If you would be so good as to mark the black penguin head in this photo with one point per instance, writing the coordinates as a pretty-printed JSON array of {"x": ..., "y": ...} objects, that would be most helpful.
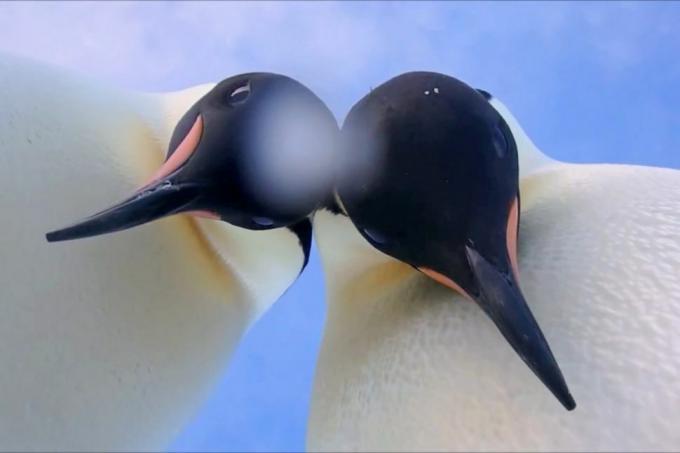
[
  {"x": 445, "y": 173},
  {"x": 429, "y": 175},
  {"x": 256, "y": 151}
]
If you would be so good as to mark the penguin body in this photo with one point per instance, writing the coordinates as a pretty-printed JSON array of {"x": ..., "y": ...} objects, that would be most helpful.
[
  {"x": 112, "y": 344},
  {"x": 408, "y": 365}
]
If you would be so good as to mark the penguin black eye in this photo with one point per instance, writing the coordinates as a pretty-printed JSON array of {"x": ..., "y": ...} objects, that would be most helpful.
[
  {"x": 263, "y": 221},
  {"x": 240, "y": 94},
  {"x": 500, "y": 143},
  {"x": 375, "y": 236}
]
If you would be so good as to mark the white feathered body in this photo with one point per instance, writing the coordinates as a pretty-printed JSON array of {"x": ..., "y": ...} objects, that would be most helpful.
[{"x": 111, "y": 343}]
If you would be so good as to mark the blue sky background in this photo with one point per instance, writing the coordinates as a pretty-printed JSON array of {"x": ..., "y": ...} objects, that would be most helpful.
[{"x": 590, "y": 82}]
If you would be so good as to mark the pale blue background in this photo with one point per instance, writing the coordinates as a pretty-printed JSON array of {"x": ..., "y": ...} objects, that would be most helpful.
[{"x": 590, "y": 82}]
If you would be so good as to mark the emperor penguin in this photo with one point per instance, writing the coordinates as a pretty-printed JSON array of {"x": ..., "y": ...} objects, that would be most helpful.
[
  {"x": 112, "y": 344},
  {"x": 443, "y": 199}
]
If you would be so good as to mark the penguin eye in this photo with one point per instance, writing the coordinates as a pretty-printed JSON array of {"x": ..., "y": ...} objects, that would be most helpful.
[
  {"x": 500, "y": 143},
  {"x": 375, "y": 236},
  {"x": 240, "y": 94},
  {"x": 263, "y": 221}
]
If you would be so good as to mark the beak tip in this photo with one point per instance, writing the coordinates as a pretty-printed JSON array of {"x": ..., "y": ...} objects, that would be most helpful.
[
  {"x": 558, "y": 387},
  {"x": 63, "y": 234},
  {"x": 551, "y": 376},
  {"x": 568, "y": 401},
  {"x": 52, "y": 236}
]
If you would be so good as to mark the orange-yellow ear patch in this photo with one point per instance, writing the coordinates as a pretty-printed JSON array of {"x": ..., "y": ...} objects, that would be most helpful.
[
  {"x": 204, "y": 214},
  {"x": 185, "y": 149},
  {"x": 511, "y": 236},
  {"x": 511, "y": 240},
  {"x": 444, "y": 280}
]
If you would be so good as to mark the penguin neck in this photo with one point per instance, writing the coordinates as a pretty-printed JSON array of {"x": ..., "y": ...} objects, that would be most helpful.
[
  {"x": 355, "y": 270},
  {"x": 264, "y": 263},
  {"x": 531, "y": 159}
]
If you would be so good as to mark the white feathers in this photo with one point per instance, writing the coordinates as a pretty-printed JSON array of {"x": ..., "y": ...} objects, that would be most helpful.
[{"x": 111, "y": 343}]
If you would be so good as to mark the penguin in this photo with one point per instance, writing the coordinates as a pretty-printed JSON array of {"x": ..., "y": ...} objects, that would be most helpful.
[
  {"x": 443, "y": 199},
  {"x": 113, "y": 343},
  {"x": 212, "y": 168}
]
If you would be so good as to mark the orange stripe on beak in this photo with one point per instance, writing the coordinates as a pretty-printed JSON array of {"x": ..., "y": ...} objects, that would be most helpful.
[
  {"x": 511, "y": 239},
  {"x": 204, "y": 214},
  {"x": 182, "y": 153},
  {"x": 444, "y": 280},
  {"x": 185, "y": 149}
]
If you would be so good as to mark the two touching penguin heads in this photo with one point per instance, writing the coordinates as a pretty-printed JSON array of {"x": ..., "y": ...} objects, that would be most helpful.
[{"x": 424, "y": 167}]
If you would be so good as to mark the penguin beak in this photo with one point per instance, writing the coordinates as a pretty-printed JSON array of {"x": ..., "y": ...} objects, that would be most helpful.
[
  {"x": 501, "y": 299},
  {"x": 158, "y": 200},
  {"x": 164, "y": 195}
]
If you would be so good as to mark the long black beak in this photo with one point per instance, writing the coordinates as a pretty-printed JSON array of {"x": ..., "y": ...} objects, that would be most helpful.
[
  {"x": 160, "y": 199},
  {"x": 502, "y": 300}
]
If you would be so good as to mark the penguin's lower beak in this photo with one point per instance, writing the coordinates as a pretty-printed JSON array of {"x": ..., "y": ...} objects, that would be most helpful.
[{"x": 159, "y": 199}]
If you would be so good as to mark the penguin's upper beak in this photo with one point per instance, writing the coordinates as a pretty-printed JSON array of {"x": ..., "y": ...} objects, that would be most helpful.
[{"x": 167, "y": 193}]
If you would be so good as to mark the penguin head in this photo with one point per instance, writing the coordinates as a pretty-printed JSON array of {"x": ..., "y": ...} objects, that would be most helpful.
[
  {"x": 256, "y": 151},
  {"x": 429, "y": 176}
]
